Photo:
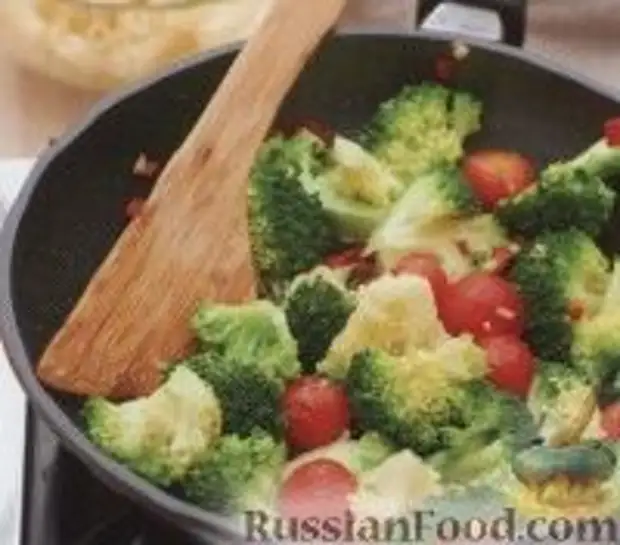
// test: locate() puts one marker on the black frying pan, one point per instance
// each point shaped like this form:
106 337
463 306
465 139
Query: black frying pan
72 208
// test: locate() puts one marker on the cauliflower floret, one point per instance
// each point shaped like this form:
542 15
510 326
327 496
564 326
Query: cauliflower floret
396 314
460 243
459 358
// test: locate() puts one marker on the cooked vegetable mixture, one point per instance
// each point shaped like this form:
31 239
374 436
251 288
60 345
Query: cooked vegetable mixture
431 321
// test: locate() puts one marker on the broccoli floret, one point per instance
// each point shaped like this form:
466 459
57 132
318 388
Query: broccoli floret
429 207
237 475
559 272
250 398
317 308
289 229
357 190
416 404
599 161
503 425
421 128
562 199
255 332
161 436
569 194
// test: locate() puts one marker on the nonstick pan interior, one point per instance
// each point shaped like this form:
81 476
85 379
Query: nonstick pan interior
74 205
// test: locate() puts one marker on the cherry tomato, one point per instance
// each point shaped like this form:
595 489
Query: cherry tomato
321 488
612 132
316 412
511 364
498 174
482 304
427 266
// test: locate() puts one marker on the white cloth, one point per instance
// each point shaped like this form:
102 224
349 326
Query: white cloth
12 399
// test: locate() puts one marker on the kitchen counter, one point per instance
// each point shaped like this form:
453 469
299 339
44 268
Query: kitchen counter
584 36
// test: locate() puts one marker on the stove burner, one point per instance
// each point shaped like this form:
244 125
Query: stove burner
65 505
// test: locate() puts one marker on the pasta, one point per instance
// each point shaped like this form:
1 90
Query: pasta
98 48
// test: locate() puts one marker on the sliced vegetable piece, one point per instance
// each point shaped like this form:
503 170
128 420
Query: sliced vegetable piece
589 461
445 68
484 305
498 174
511 364
612 132
316 412
319 489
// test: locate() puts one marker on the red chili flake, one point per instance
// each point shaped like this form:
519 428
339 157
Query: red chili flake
134 207
318 128
348 258
611 130
445 67
502 259
576 310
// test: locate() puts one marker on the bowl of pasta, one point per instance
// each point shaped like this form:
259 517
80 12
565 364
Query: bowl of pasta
97 48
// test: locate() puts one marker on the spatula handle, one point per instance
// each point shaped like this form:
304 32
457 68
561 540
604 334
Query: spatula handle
190 242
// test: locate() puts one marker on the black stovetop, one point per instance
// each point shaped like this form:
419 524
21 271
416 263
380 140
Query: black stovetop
65 505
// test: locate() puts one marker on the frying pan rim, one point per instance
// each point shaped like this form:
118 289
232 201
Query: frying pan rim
72 437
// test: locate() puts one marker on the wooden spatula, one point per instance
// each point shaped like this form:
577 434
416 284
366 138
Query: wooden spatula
190 243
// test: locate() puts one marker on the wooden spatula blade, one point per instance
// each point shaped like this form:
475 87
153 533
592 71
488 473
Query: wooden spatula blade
190 243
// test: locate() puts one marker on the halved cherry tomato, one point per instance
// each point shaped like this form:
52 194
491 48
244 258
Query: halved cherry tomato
484 305
427 266
610 421
316 412
612 132
498 174
321 489
511 364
